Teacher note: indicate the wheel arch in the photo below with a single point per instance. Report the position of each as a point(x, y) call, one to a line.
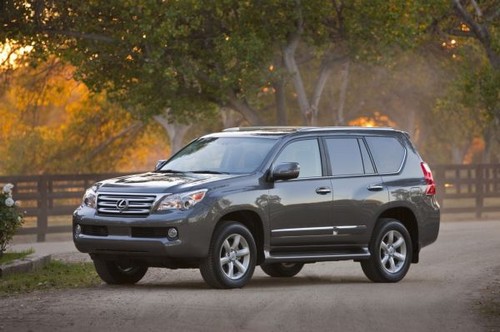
point(252, 221)
point(409, 220)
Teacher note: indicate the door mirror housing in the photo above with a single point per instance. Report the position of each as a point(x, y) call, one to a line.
point(285, 171)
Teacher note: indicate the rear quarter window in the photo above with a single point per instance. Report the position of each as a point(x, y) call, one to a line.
point(388, 153)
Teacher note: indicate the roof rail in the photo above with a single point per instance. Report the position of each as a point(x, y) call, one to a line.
point(304, 128)
point(346, 128)
point(266, 128)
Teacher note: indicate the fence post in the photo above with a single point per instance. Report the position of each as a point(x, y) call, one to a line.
point(42, 218)
point(440, 179)
point(479, 190)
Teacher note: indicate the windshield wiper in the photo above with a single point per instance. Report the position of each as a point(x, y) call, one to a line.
point(169, 171)
point(208, 172)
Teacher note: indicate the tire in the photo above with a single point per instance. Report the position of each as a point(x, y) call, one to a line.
point(231, 258)
point(281, 270)
point(391, 252)
point(113, 273)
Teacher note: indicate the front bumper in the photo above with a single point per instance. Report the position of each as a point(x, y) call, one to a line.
point(142, 237)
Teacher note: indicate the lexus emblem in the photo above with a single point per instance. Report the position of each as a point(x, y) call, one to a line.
point(122, 205)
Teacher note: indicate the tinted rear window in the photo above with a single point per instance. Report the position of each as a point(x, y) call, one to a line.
point(387, 152)
point(345, 156)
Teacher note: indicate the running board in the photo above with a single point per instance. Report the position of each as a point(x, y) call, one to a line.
point(310, 257)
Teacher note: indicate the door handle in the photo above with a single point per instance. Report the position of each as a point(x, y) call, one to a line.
point(375, 187)
point(323, 190)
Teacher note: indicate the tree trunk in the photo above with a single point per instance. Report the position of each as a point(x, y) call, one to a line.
point(230, 118)
point(279, 95)
point(242, 107)
point(489, 136)
point(344, 75)
point(175, 131)
point(293, 70)
point(457, 154)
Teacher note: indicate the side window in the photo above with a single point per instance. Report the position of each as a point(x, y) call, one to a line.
point(306, 153)
point(345, 156)
point(387, 152)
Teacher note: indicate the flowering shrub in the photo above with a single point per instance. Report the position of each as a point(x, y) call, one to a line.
point(11, 218)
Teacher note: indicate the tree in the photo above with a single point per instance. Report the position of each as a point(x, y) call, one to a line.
point(52, 124)
point(471, 30)
point(183, 56)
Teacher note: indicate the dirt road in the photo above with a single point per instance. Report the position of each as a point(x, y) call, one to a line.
point(441, 293)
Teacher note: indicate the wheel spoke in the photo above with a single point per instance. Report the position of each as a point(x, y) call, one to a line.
point(230, 272)
point(390, 237)
point(243, 252)
point(241, 268)
point(384, 260)
point(399, 242)
point(236, 242)
point(383, 246)
point(392, 264)
point(400, 257)
point(227, 246)
point(224, 260)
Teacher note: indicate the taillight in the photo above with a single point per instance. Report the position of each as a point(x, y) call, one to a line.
point(429, 179)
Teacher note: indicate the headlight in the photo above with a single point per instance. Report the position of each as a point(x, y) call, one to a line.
point(90, 197)
point(183, 201)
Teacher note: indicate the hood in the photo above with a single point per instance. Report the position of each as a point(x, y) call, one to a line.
point(153, 182)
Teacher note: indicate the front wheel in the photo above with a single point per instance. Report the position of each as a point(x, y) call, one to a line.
point(391, 252)
point(232, 257)
point(281, 270)
point(115, 273)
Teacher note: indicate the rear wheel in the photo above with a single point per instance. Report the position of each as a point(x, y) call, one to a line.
point(115, 273)
point(231, 258)
point(391, 252)
point(286, 270)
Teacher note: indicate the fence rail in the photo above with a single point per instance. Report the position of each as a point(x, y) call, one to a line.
point(461, 189)
point(468, 188)
point(44, 196)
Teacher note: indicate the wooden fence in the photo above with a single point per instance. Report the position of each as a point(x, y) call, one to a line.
point(49, 200)
point(45, 197)
point(468, 188)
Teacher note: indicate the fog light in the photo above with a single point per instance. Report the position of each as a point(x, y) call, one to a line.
point(78, 230)
point(172, 233)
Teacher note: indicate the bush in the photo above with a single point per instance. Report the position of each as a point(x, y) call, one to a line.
point(11, 218)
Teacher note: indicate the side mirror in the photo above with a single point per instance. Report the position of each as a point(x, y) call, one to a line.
point(285, 171)
point(159, 164)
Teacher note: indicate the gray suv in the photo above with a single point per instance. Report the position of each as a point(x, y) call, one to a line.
point(278, 197)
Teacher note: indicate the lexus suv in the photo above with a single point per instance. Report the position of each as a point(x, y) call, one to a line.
point(278, 197)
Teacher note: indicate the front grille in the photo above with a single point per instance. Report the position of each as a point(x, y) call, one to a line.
point(124, 205)
point(149, 232)
point(94, 230)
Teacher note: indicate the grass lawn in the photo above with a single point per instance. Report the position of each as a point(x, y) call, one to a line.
point(55, 275)
point(8, 257)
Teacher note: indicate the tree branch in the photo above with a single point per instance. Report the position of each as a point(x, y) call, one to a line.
point(242, 107)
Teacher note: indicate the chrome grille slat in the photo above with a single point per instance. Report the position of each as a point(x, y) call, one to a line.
point(135, 204)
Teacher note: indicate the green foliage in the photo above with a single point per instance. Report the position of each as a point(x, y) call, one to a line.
point(55, 275)
point(189, 55)
point(11, 217)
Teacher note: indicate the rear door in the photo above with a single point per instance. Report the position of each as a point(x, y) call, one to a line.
point(358, 191)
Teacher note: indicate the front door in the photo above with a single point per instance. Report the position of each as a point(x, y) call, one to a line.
point(301, 209)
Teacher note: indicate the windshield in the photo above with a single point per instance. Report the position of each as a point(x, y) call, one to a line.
point(221, 155)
